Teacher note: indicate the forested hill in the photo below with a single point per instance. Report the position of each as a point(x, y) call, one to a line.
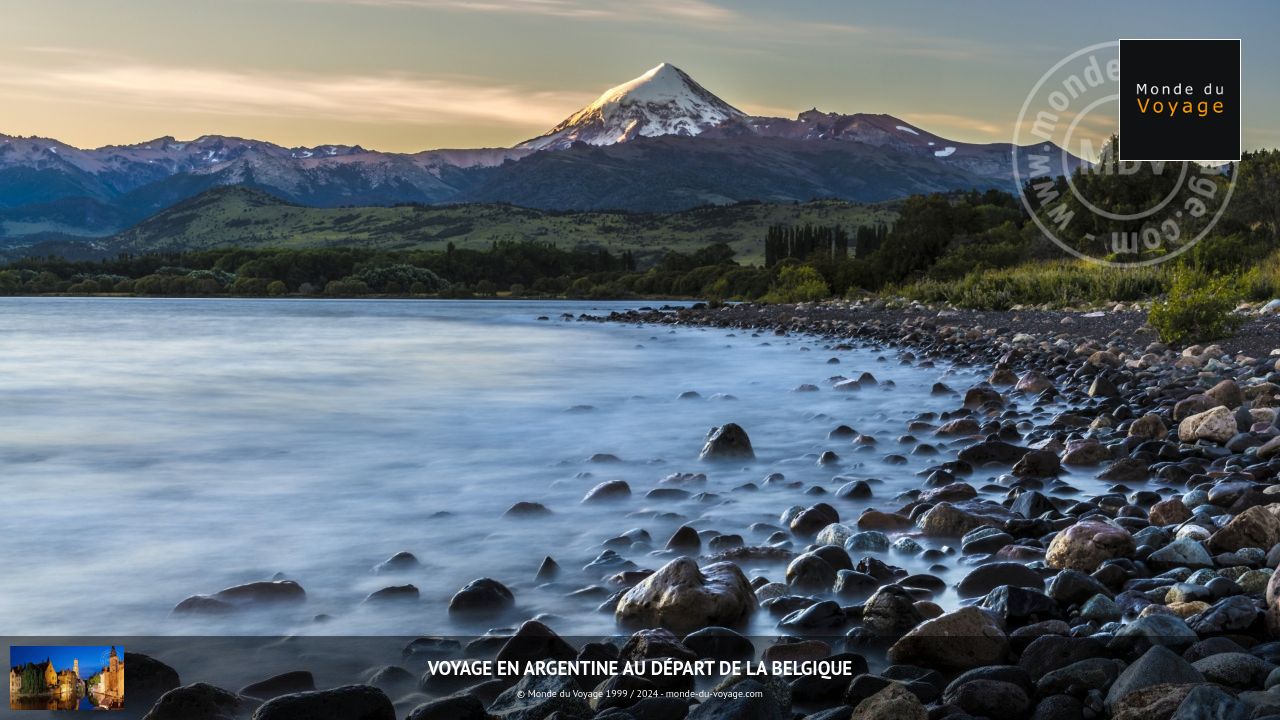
point(248, 218)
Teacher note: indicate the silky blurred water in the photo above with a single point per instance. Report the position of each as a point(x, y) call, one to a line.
point(155, 449)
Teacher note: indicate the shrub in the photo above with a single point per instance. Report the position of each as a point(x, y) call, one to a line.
point(398, 277)
point(798, 283)
point(346, 287)
point(1197, 308)
point(277, 288)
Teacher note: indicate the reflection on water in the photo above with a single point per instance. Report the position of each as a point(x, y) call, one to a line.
point(163, 448)
point(57, 702)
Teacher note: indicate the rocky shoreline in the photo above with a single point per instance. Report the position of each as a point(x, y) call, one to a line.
point(1151, 599)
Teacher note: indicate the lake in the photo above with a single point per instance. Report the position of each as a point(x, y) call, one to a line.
point(154, 449)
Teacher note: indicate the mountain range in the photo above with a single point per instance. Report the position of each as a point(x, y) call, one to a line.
point(658, 143)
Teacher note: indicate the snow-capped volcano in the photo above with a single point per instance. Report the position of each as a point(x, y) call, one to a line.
point(663, 101)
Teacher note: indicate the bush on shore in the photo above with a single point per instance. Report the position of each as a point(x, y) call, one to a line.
point(1197, 308)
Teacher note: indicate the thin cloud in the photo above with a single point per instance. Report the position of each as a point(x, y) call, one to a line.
point(399, 98)
point(624, 10)
point(933, 121)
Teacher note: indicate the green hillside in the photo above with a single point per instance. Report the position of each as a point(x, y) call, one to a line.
point(242, 217)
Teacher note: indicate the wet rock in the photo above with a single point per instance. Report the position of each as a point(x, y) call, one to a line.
point(535, 641)
point(894, 702)
point(750, 699)
point(682, 597)
point(810, 573)
point(1072, 587)
point(947, 520)
point(854, 585)
point(993, 699)
point(1208, 702)
point(457, 707)
point(249, 595)
point(352, 702)
point(1085, 545)
point(392, 594)
point(890, 611)
point(1017, 606)
point(148, 678)
point(1038, 464)
point(540, 696)
point(834, 534)
point(719, 643)
point(1169, 512)
point(282, 684)
point(1228, 615)
point(992, 452)
point(986, 578)
point(1085, 452)
point(979, 395)
point(1148, 427)
point(879, 520)
point(1157, 701)
point(727, 442)
point(867, 541)
point(1181, 553)
point(484, 596)
point(1235, 669)
point(197, 702)
point(1217, 425)
point(1033, 383)
point(1080, 677)
point(527, 509)
point(1157, 666)
point(812, 519)
point(400, 562)
point(958, 640)
point(685, 539)
point(608, 491)
point(548, 570)
point(1226, 393)
point(1047, 653)
point(1256, 527)
point(825, 615)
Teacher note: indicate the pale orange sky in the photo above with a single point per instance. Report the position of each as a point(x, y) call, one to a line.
point(408, 75)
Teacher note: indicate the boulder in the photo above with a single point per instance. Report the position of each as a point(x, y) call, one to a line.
point(1157, 666)
point(890, 612)
point(986, 578)
point(1148, 427)
point(608, 491)
point(727, 442)
point(351, 702)
point(484, 596)
point(894, 702)
point(540, 696)
point(197, 702)
point(958, 640)
point(1085, 545)
point(1256, 527)
point(1217, 425)
point(682, 597)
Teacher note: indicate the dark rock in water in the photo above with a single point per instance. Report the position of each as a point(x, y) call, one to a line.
point(985, 578)
point(484, 596)
point(621, 691)
point(1125, 470)
point(539, 696)
point(719, 643)
point(854, 585)
point(393, 593)
point(810, 573)
point(727, 442)
point(812, 519)
point(1037, 464)
point(992, 451)
point(535, 641)
point(282, 684)
point(1020, 606)
point(1004, 673)
point(854, 490)
point(1085, 545)
point(352, 702)
point(994, 699)
point(1158, 629)
point(527, 509)
point(1206, 702)
point(400, 562)
point(457, 707)
point(548, 570)
point(842, 432)
point(1032, 504)
point(1102, 387)
point(197, 702)
point(392, 679)
point(890, 612)
point(608, 458)
point(826, 615)
point(685, 539)
point(683, 597)
point(959, 640)
point(979, 395)
point(1157, 666)
point(608, 491)
point(148, 678)
point(277, 592)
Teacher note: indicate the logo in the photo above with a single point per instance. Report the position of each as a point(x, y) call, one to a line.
point(1092, 204)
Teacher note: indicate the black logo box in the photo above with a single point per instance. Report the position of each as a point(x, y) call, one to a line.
point(1187, 64)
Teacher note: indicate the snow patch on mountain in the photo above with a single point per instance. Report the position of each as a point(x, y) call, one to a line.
point(663, 101)
point(944, 152)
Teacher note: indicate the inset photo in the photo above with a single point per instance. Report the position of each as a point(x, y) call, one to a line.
point(66, 677)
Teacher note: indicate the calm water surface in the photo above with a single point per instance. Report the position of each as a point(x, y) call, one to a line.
point(156, 449)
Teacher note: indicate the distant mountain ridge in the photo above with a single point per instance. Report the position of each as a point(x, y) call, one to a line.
point(661, 142)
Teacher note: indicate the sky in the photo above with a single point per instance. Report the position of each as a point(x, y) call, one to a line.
point(92, 657)
point(410, 75)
